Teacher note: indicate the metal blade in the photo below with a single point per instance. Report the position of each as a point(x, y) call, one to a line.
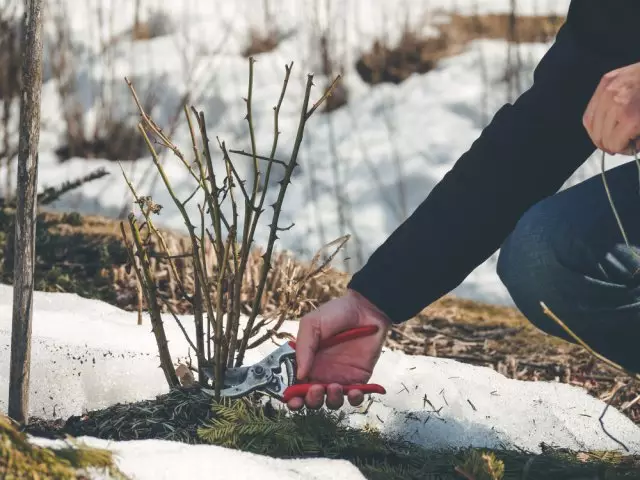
point(232, 376)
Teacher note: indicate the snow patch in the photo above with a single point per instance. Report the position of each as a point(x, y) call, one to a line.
point(438, 403)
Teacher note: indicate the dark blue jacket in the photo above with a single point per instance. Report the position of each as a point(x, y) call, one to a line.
point(526, 153)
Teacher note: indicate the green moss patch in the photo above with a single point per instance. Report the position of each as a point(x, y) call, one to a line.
point(19, 459)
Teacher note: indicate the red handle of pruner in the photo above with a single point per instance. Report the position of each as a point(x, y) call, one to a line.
point(342, 337)
point(301, 389)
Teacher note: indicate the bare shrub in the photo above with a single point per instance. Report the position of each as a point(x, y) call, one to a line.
point(229, 238)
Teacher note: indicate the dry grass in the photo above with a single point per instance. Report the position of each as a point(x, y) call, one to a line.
point(501, 338)
point(419, 54)
point(114, 140)
point(75, 240)
point(285, 272)
point(158, 24)
point(260, 42)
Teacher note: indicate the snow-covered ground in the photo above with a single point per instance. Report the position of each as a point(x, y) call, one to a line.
point(388, 139)
point(87, 354)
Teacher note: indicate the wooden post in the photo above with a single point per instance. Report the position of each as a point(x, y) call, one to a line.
point(25, 223)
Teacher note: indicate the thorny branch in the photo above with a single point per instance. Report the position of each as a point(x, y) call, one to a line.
point(277, 207)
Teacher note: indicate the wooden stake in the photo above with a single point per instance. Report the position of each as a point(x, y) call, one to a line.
point(26, 212)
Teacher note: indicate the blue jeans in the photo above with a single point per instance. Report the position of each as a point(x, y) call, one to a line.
point(568, 252)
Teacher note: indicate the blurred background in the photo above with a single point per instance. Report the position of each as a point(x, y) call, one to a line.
point(419, 80)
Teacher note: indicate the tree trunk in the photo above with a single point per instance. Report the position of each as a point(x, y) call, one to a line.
point(26, 212)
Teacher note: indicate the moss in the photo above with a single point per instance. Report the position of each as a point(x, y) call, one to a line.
point(21, 460)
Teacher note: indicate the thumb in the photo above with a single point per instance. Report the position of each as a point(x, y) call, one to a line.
point(307, 343)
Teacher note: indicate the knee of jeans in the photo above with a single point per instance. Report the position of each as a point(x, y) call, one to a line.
point(528, 266)
point(529, 254)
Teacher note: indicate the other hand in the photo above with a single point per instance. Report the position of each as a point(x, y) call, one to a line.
point(347, 363)
point(612, 117)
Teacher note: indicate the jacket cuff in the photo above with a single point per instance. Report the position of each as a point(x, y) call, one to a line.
point(365, 283)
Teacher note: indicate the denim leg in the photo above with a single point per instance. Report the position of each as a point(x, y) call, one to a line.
point(568, 252)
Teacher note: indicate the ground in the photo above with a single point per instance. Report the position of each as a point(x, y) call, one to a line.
point(472, 332)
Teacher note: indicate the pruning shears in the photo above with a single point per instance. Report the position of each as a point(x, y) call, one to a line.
point(266, 376)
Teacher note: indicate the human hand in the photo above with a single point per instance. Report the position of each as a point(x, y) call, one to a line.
point(351, 362)
point(612, 117)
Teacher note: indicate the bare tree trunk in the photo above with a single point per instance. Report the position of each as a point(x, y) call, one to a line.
point(26, 212)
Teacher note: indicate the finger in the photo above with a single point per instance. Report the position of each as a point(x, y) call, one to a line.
point(307, 343)
point(589, 116)
point(295, 403)
point(619, 141)
point(589, 113)
point(355, 397)
point(609, 125)
point(626, 135)
point(335, 396)
point(598, 123)
point(314, 398)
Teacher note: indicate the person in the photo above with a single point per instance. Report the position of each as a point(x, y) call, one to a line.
point(560, 246)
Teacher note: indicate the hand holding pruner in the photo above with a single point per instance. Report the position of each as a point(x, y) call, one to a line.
point(266, 376)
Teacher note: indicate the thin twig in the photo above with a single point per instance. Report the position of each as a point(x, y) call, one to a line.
point(634, 376)
point(610, 363)
point(601, 418)
point(259, 157)
point(326, 95)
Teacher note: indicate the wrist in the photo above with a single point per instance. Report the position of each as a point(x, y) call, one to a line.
point(365, 303)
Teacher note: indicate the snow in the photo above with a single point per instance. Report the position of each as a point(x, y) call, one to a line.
point(160, 460)
point(434, 402)
point(387, 140)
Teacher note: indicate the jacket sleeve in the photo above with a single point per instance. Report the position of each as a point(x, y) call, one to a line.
point(526, 153)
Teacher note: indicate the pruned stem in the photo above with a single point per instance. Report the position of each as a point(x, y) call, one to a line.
point(149, 287)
